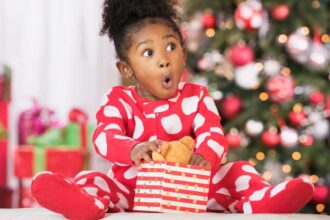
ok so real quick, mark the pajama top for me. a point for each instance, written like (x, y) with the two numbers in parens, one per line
(126, 119)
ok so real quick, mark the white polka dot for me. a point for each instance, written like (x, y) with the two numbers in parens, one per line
(129, 93)
(121, 137)
(216, 147)
(152, 138)
(127, 108)
(82, 173)
(130, 173)
(224, 191)
(209, 103)
(101, 144)
(110, 173)
(99, 204)
(249, 169)
(111, 111)
(231, 207)
(121, 186)
(172, 124)
(258, 195)
(198, 121)
(91, 190)
(123, 203)
(175, 99)
(112, 126)
(189, 105)
(100, 182)
(216, 130)
(152, 115)
(162, 108)
(138, 130)
(242, 183)
(278, 188)
(201, 138)
(81, 181)
(221, 173)
(212, 204)
(247, 209)
(181, 85)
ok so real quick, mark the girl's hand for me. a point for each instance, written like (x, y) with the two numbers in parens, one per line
(199, 160)
(142, 151)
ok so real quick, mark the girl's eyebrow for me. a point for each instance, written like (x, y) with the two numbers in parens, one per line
(169, 36)
(164, 37)
(143, 42)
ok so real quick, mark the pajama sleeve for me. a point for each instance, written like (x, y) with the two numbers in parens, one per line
(110, 136)
(210, 140)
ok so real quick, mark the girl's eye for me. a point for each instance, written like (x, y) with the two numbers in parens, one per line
(147, 53)
(170, 47)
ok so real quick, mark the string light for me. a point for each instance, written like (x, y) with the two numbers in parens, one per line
(315, 4)
(320, 207)
(305, 30)
(314, 179)
(210, 32)
(298, 107)
(286, 168)
(325, 38)
(259, 66)
(229, 24)
(296, 155)
(263, 96)
(286, 71)
(260, 156)
(282, 38)
(267, 175)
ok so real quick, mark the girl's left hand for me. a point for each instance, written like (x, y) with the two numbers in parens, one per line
(199, 160)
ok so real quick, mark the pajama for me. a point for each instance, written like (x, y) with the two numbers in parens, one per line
(124, 120)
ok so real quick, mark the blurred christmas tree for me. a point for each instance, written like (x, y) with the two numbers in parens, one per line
(266, 64)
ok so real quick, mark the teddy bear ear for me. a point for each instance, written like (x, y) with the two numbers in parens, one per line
(188, 141)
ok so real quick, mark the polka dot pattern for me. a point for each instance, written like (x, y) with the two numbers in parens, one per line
(258, 195)
(162, 108)
(224, 191)
(212, 204)
(221, 173)
(209, 103)
(112, 126)
(127, 108)
(130, 173)
(101, 144)
(216, 147)
(278, 188)
(111, 111)
(217, 130)
(189, 105)
(139, 128)
(249, 169)
(172, 124)
(201, 138)
(198, 121)
(100, 182)
(247, 209)
(242, 183)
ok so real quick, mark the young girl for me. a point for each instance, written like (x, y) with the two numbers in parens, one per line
(133, 121)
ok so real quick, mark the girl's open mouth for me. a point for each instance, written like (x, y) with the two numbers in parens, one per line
(167, 82)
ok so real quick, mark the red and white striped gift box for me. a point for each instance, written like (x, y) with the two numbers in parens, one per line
(171, 187)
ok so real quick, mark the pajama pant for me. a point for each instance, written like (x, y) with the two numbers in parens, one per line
(233, 183)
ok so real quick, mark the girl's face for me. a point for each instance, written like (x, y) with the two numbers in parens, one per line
(156, 59)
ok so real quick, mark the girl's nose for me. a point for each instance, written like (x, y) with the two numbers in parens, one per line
(164, 64)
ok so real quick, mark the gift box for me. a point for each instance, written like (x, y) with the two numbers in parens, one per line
(3, 142)
(29, 160)
(171, 187)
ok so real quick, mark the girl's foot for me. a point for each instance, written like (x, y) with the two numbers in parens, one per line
(286, 197)
(60, 195)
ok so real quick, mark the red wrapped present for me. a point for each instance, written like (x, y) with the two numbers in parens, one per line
(30, 160)
(3, 142)
(171, 187)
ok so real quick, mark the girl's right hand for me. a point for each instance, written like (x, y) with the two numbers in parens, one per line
(142, 151)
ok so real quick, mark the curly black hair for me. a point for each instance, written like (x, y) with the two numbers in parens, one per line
(122, 18)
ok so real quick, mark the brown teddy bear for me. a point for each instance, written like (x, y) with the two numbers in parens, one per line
(175, 151)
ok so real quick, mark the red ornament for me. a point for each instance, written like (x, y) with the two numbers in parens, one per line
(321, 194)
(327, 103)
(208, 20)
(306, 140)
(249, 15)
(297, 118)
(316, 98)
(280, 12)
(271, 138)
(230, 106)
(233, 139)
(280, 88)
(240, 55)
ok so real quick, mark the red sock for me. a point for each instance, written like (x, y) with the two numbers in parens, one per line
(60, 195)
(286, 197)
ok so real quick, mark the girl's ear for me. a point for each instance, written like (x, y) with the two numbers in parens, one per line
(124, 69)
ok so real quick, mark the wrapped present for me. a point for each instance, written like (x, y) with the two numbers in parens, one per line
(3, 142)
(171, 187)
(30, 160)
(76, 132)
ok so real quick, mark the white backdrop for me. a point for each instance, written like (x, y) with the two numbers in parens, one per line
(56, 54)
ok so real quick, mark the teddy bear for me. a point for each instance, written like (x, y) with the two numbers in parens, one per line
(175, 151)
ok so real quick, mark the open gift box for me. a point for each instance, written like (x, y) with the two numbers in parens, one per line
(171, 187)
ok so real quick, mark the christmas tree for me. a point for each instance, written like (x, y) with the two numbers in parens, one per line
(266, 64)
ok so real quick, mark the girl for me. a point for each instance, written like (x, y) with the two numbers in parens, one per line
(133, 121)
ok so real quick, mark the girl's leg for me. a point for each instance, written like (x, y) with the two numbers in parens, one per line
(88, 197)
(238, 187)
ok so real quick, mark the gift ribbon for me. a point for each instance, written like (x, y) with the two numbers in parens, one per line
(78, 116)
(39, 159)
